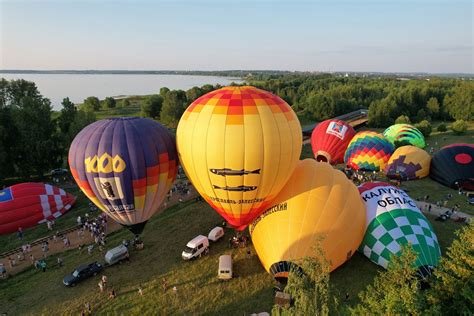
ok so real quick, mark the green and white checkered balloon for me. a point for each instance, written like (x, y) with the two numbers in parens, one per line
(394, 220)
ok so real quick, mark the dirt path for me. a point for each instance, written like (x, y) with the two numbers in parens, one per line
(57, 246)
(435, 210)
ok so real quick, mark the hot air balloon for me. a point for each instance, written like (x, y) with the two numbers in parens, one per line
(408, 163)
(28, 204)
(329, 140)
(126, 166)
(368, 151)
(453, 166)
(239, 146)
(394, 220)
(405, 134)
(317, 201)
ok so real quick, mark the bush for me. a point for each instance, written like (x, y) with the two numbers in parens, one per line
(402, 119)
(459, 127)
(442, 128)
(424, 127)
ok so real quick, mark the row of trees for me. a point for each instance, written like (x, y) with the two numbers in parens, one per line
(320, 97)
(396, 291)
(33, 139)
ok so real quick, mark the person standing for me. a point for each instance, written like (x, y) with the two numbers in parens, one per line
(101, 286)
(20, 233)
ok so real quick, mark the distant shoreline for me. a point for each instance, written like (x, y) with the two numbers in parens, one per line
(238, 74)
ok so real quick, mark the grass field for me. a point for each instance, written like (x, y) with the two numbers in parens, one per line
(199, 291)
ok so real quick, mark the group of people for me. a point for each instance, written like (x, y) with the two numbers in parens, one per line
(96, 227)
(359, 176)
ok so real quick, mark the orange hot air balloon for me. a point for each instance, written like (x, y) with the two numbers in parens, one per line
(317, 201)
(239, 146)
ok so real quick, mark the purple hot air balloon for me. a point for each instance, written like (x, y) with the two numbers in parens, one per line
(125, 166)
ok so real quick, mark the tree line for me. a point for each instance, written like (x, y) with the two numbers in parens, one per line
(320, 97)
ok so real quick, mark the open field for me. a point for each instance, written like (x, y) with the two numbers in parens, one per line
(199, 291)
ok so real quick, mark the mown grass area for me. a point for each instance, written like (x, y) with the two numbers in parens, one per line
(198, 290)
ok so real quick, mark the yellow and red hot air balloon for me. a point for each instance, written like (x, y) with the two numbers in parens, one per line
(239, 146)
(317, 201)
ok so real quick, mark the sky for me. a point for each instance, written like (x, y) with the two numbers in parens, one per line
(387, 36)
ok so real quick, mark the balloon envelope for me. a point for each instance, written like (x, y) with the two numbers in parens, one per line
(239, 146)
(408, 163)
(453, 166)
(394, 220)
(28, 204)
(404, 134)
(369, 151)
(330, 139)
(317, 201)
(126, 166)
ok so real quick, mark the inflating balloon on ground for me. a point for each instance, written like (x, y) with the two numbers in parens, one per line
(404, 134)
(318, 202)
(408, 163)
(28, 204)
(368, 151)
(330, 139)
(393, 220)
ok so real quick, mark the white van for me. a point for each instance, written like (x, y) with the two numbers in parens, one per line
(116, 254)
(216, 233)
(225, 267)
(196, 247)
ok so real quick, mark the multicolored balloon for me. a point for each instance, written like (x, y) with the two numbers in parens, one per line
(330, 139)
(28, 204)
(317, 201)
(126, 166)
(405, 134)
(239, 146)
(453, 166)
(369, 151)
(408, 163)
(394, 220)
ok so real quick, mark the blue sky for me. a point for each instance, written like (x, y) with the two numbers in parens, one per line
(391, 36)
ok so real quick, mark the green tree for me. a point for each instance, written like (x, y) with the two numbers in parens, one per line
(460, 104)
(402, 119)
(164, 91)
(394, 291)
(308, 285)
(424, 127)
(110, 103)
(91, 104)
(433, 106)
(452, 288)
(66, 116)
(193, 93)
(125, 102)
(174, 104)
(40, 149)
(459, 127)
(152, 105)
(442, 128)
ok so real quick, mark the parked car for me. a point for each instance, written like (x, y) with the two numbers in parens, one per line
(59, 172)
(216, 233)
(225, 267)
(81, 273)
(196, 247)
(117, 254)
(470, 197)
